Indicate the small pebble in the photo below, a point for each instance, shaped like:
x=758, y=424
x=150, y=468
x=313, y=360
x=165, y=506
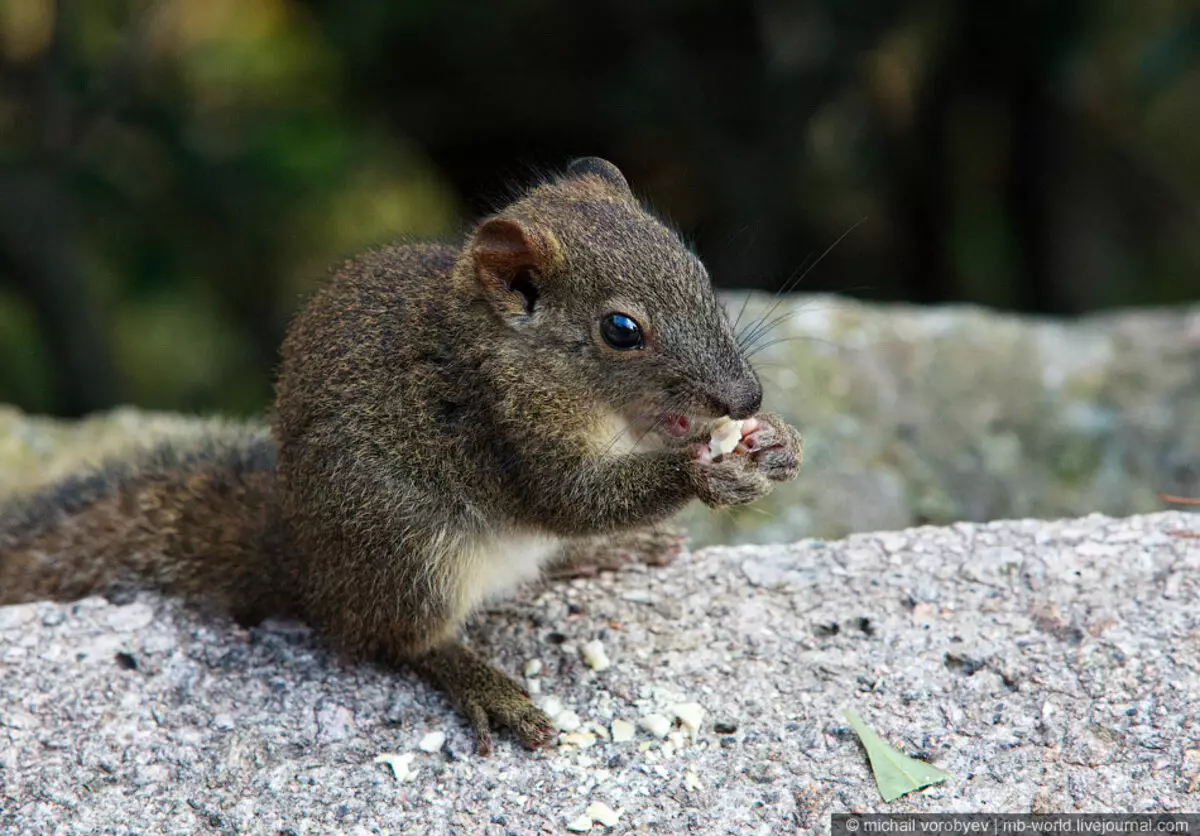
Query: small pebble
x=622, y=731
x=533, y=667
x=432, y=742
x=552, y=705
x=601, y=812
x=656, y=724
x=580, y=825
x=567, y=721
x=594, y=655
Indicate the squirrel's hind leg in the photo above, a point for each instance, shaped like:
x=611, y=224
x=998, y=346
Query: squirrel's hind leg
x=484, y=696
x=657, y=545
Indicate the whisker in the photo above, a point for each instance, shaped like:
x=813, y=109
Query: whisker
x=792, y=283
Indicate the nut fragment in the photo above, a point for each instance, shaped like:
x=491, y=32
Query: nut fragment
x=583, y=740
x=725, y=436
x=602, y=813
x=691, y=714
x=622, y=731
x=567, y=721
x=656, y=724
x=432, y=742
x=594, y=655
x=399, y=765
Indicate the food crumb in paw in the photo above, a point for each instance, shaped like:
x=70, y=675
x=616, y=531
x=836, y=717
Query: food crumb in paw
x=600, y=812
x=725, y=436
x=432, y=742
x=656, y=724
x=580, y=825
x=622, y=731
x=399, y=765
x=595, y=656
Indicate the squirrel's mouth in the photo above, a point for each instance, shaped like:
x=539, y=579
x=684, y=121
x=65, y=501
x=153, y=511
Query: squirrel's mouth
x=676, y=425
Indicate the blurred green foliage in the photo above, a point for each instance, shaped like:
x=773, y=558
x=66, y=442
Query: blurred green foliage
x=175, y=175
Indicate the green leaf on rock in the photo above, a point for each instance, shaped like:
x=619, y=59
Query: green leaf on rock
x=895, y=772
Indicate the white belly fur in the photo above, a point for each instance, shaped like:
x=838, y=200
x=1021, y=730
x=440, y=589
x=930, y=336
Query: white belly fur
x=498, y=565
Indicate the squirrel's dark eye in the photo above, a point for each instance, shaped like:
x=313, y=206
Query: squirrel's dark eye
x=621, y=331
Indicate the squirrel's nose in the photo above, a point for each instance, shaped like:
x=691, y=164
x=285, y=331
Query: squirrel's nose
x=744, y=399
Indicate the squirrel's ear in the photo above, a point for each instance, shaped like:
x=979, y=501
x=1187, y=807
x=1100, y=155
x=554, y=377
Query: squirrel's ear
x=510, y=260
x=606, y=171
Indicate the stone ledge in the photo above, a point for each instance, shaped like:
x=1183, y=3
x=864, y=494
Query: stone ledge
x=1049, y=666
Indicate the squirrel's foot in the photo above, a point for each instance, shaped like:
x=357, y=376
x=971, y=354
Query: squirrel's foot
x=774, y=445
x=484, y=696
x=654, y=546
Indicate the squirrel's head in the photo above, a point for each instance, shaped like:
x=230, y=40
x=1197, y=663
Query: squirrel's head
x=593, y=286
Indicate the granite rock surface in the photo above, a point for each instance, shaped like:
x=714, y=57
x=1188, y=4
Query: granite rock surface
x=1047, y=666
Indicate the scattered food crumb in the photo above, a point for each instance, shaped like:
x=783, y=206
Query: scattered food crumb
x=656, y=724
x=552, y=705
x=399, y=764
x=581, y=739
x=580, y=825
x=533, y=667
x=567, y=721
x=691, y=781
x=595, y=656
x=691, y=714
x=622, y=731
x=534, y=687
x=432, y=742
x=602, y=813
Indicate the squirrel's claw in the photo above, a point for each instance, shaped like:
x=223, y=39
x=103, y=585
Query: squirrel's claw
x=775, y=446
x=485, y=697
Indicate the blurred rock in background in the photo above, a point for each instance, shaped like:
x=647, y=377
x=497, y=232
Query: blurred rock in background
x=910, y=416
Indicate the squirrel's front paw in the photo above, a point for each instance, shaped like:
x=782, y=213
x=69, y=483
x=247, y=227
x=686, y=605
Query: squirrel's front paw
x=732, y=479
x=774, y=445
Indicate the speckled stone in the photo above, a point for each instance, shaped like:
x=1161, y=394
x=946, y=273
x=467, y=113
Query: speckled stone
x=1047, y=666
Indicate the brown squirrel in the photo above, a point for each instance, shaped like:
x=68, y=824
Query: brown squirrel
x=449, y=421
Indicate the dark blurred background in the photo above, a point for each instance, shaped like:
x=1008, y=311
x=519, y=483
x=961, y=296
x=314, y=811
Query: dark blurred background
x=176, y=175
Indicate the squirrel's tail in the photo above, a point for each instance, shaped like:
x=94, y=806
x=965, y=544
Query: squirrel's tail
x=198, y=518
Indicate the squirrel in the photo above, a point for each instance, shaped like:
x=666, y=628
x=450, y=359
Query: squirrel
x=450, y=421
